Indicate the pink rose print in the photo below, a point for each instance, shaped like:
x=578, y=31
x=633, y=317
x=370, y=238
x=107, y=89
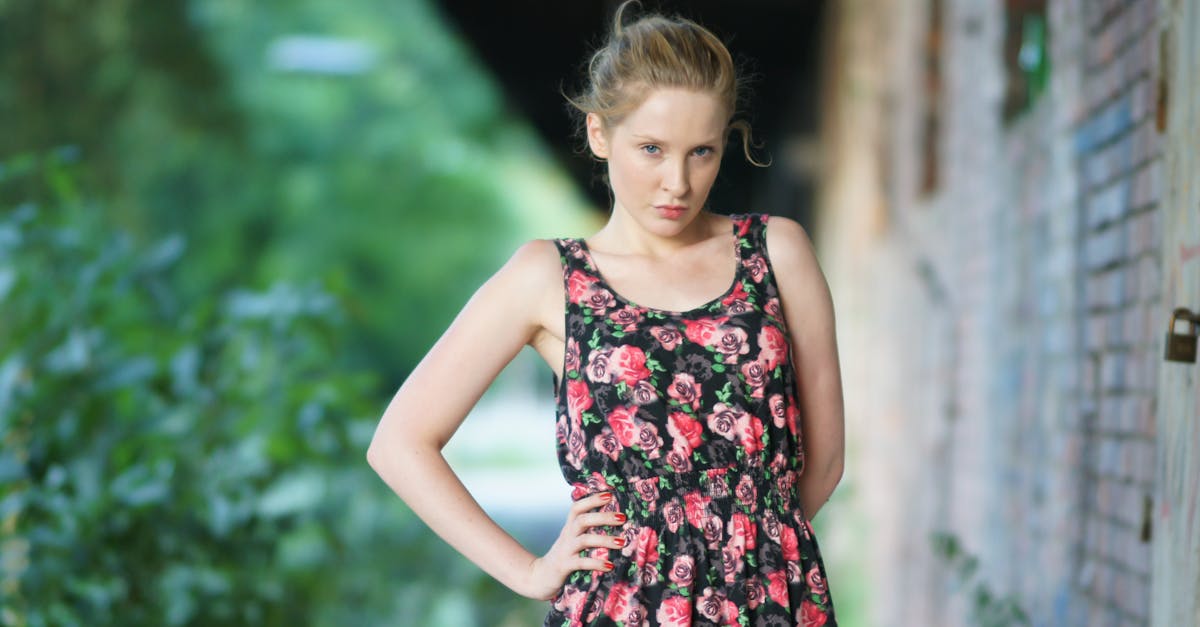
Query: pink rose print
x=778, y=410
x=685, y=390
x=673, y=515
x=816, y=582
x=773, y=347
x=669, y=337
x=649, y=441
x=627, y=317
x=773, y=308
x=711, y=604
x=678, y=459
x=578, y=285
x=648, y=490
x=696, y=508
x=598, y=299
x=714, y=531
x=749, y=431
x=771, y=526
x=703, y=330
x=777, y=587
x=685, y=430
x=723, y=421
x=757, y=266
x=621, y=421
x=755, y=594
x=683, y=570
x=810, y=615
x=746, y=493
x=647, y=547
x=731, y=342
x=647, y=575
x=576, y=449
x=789, y=543
x=644, y=393
x=756, y=377
x=606, y=443
x=620, y=600
x=675, y=611
x=598, y=368
x=731, y=563
x=743, y=534
x=571, y=359
x=579, y=400
x=597, y=483
x=636, y=614
x=793, y=570
x=570, y=602
x=629, y=364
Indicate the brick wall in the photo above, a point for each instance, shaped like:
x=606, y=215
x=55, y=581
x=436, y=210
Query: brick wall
x=1001, y=334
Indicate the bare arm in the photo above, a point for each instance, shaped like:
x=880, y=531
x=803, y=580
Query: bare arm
x=406, y=451
x=808, y=309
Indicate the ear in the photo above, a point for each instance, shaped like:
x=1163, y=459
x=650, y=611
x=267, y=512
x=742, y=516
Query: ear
x=597, y=140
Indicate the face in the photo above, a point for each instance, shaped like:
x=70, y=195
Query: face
x=663, y=157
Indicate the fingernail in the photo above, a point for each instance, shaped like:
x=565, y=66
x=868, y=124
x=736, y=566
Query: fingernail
x=606, y=496
x=621, y=518
x=608, y=565
x=619, y=541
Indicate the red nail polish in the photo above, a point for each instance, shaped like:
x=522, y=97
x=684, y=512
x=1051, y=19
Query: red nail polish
x=619, y=541
x=606, y=496
x=621, y=518
x=608, y=565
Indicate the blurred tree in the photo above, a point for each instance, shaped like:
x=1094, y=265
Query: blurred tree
x=171, y=465
x=395, y=182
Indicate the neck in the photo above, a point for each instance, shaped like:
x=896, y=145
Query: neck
x=624, y=234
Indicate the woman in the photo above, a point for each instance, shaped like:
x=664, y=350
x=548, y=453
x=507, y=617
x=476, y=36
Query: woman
x=699, y=433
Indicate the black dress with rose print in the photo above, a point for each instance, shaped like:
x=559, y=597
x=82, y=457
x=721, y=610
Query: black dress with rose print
x=690, y=420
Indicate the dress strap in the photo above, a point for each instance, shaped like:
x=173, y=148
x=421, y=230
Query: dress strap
x=750, y=230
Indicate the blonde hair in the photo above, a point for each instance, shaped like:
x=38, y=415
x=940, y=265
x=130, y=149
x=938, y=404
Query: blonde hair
x=653, y=52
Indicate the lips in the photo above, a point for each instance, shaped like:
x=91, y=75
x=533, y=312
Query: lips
x=671, y=212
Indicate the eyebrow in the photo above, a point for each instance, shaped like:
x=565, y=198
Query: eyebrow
x=655, y=140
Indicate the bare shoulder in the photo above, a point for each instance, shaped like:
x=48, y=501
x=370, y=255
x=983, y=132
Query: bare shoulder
x=791, y=249
x=535, y=264
x=530, y=285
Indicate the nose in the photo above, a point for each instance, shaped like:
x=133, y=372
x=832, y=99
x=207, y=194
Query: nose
x=675, y=178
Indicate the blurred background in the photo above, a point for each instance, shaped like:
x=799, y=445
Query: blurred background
x=228, y=231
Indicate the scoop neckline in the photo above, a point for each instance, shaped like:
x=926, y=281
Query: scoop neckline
x=734, y=222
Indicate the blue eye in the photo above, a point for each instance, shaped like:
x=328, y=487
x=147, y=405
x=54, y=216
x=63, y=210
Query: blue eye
x=651, y=149
x=703, y=151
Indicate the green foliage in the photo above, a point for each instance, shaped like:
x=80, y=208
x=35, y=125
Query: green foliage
x=987, y=608
x=399, y=186
x=175, y=462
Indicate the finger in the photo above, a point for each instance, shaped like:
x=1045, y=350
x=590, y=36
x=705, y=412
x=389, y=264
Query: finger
x=594, y=501
x=600, y=540
x=592, y=563
x=599, y=519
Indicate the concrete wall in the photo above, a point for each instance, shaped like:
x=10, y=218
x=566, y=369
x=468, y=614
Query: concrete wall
x=1002, y=332
x=1176, y=583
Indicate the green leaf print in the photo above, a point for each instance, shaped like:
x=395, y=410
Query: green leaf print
x=653, y=365
x=594, y=343
x=590, y=419
x=718, y=368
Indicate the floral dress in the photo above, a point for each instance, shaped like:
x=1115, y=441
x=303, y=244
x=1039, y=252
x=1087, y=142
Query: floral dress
x=690, y=420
